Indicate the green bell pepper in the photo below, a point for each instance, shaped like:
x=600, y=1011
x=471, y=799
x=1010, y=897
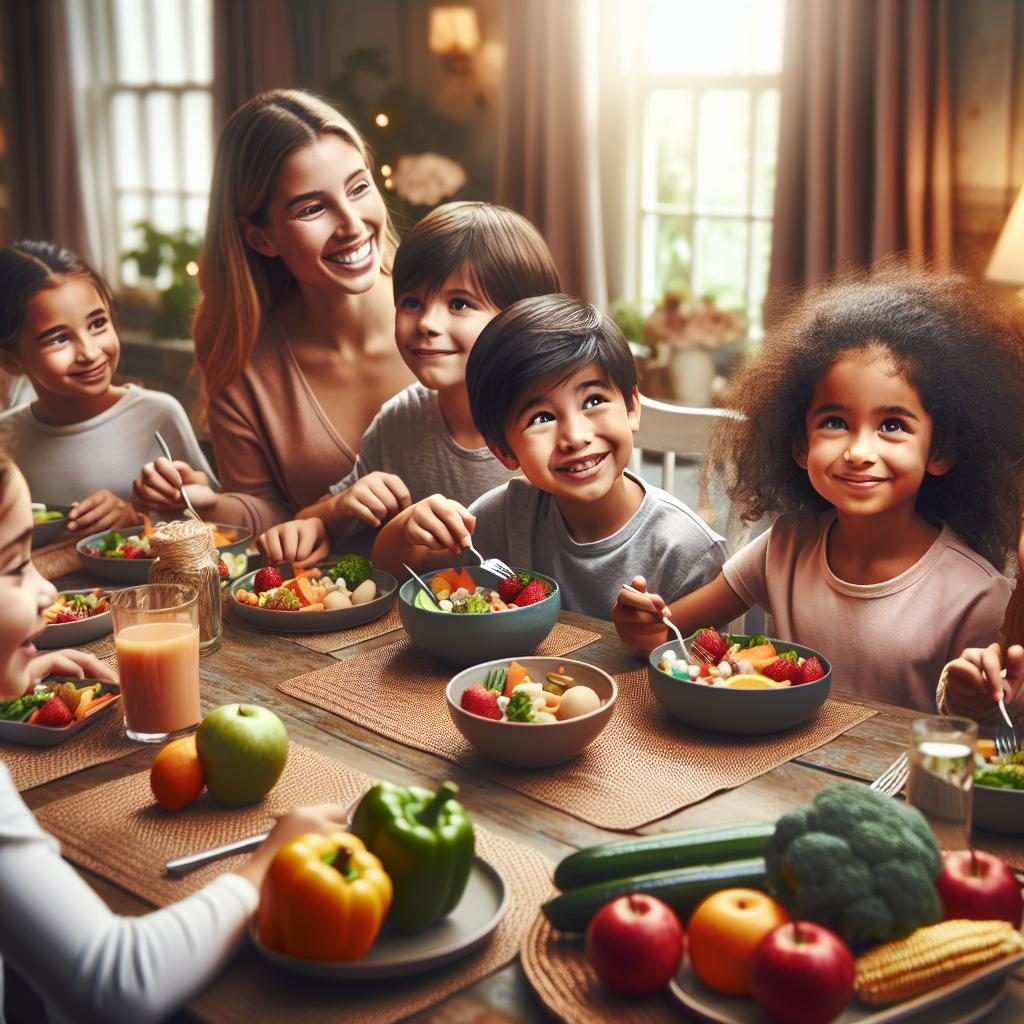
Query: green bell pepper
x=425, y=841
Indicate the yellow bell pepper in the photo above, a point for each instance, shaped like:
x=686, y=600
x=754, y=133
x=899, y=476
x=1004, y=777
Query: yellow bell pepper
x=324, y=897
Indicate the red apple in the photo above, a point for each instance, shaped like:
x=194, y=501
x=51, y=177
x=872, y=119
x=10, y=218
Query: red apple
x=801, y=973
x=976, y=886
x=635, y=944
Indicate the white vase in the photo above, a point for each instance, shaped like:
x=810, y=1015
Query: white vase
x=691, y=371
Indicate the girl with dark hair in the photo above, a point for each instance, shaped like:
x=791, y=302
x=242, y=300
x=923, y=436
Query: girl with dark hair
x=83, y=439
x=881, y=427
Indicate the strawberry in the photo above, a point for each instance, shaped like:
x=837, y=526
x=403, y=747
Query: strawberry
x=131, y=551
x=478, y=701
x=783, y=670
x=709, y=643
x=534, y=591
x=810, y=670
x=71, y=614
x=222, y=569
x=54, y=713
x=268, y=578
x=508, y=589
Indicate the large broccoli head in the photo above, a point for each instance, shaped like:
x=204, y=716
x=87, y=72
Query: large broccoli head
x=858, y=863
x=353, y=569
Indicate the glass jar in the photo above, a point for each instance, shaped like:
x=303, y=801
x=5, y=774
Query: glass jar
x=185, y=554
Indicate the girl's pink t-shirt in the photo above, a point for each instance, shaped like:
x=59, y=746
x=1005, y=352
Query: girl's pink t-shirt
x=888, y=641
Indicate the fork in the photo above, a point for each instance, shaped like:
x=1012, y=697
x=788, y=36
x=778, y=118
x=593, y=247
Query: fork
x=691, y=654
x=1006, y=735
x=894, y=778
x=167, y=455
x=495, y=565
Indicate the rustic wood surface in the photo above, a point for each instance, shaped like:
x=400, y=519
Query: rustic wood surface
x=247, y=667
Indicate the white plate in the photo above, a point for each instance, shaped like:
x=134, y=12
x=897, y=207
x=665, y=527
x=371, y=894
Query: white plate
x=47, y=736
x=396, y=954
x=960, y=1002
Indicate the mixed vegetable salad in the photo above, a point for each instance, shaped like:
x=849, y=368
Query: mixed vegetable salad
x=56, y=704
x=1001, y=771
x=346, y=583
x=458, y=593
x=508, y=694
x=72, y=607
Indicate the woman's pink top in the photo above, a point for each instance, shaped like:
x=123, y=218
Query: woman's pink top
x=888, y=641
x=276, y=448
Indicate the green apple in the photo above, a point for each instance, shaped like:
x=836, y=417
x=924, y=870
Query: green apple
x=243, y=749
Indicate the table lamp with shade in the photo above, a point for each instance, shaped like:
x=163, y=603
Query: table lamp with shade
x=1006, y=264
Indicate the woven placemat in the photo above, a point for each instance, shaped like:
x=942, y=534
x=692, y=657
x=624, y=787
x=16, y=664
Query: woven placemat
x=557, y=969
x=340, y=638
x=117, y=831
x=57, y=559
x=104, y=741
x=102, y=647
x=643, y=766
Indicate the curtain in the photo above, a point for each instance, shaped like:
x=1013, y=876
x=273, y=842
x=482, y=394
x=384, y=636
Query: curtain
x=42, y=149
x=549, y=166
x=865, y=144
x=252, y=52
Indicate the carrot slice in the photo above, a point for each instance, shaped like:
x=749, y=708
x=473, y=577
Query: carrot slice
x=31, y=718
x=147, y=526
x=83, y=704
x=516, y=675
x=467, y=581
x=98, y=703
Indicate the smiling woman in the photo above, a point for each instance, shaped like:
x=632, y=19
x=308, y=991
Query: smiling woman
x=295, y=327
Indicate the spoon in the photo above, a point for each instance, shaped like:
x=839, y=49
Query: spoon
x=167, y=455
x=423, y=586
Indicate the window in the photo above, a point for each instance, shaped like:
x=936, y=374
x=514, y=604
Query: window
x=143, y=72
x=707, y=111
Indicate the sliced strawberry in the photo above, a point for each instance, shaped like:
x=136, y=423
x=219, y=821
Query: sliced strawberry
x=54, y=713
x=810, y=670
x=222, y=569
x=709, y=646
x=131, y=551
x=71, y=614
x=534, y=591
x=479, y=701
x=268, y=578
x=782, y=670
x=508, y=589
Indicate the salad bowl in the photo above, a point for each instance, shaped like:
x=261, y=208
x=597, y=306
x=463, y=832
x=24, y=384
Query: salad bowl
x=46, y=531
x=466, y=639
x=58, y=635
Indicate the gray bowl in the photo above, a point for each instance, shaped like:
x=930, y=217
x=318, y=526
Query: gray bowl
x=999, y=810
x=462, y=640
x=524, y=744
x=48, y=532
x=275, y=621
x=132, y=572
x=59, y=635
x=738, y=712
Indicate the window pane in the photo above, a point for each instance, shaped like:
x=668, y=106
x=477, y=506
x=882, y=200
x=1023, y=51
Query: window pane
x=671, y=246
x=713, y=36
x=162, y=127
x=130, y=41
x=201, y=41
x=721, y=261
x=124, y=115
x=168, y=20
x=195, y=214
x=760, y=261
x=669, y=131
x=197, y=116
x=723, y=150
x=766, y=152
x=130, y=210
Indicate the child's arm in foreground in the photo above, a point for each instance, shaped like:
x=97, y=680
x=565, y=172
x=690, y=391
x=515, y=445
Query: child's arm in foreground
x=159, y=487
x=80, y=664
x=97, y=965
x=419, y=534
x=971, y=684
x=638, y=617
x=369, y=501
x=101, y=510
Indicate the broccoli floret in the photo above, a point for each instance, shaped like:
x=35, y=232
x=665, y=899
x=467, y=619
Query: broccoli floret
x=858, y=863
x=111, y=542
x=353, y=569
x=520, y=708
x=1000, y=776
x=283, y=600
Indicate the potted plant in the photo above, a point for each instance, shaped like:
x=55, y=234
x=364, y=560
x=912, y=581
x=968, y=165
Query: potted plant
x=168, y=262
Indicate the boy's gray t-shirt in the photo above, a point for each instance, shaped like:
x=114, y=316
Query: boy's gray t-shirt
x=410, y=438
x=664, y=541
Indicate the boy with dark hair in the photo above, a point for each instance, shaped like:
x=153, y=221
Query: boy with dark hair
x=552, y=387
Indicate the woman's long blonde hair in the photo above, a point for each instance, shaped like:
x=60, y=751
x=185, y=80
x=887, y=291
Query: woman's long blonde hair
x=238, y=286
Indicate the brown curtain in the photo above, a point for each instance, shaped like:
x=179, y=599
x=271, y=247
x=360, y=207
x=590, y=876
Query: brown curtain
x=252, y=52
x=865, y=146
x=548, y=145
x=42, y=148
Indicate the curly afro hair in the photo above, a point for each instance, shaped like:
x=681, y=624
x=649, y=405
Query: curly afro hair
x=959, y=342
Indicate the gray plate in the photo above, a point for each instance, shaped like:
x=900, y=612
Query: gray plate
x=70, y=634
x=48, y=532
x=961, y=1002
x=45, y=736
x=313, y=622
x=999, y=810
x=396, y=954
x=133, y=572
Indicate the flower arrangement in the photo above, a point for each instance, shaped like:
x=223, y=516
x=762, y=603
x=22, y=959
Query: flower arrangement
x=682, y=322
x=424, y=179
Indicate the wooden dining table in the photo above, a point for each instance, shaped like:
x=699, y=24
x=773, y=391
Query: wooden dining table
x=247, y=667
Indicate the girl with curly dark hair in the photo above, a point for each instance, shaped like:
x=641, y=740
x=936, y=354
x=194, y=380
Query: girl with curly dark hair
x=882, y=430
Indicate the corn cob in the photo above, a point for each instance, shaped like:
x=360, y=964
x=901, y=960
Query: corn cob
x=932, y=956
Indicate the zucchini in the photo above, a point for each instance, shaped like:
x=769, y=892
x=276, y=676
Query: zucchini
x=681, y=889
x=673, y=850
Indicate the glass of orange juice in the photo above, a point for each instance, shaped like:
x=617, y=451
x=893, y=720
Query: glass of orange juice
x=156, y=632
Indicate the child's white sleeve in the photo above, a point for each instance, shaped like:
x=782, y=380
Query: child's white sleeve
x=86, y=961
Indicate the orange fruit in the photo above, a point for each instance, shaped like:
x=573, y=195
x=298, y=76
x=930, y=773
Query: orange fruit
x=751, y=681
x=176, y=777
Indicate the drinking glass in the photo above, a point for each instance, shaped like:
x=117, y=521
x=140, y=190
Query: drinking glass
x=156, y=633
x=941, y=781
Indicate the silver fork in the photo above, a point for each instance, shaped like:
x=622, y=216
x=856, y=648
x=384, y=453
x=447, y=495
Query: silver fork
x=495, y=565
x=167, y=455
x=894, y=778
x=1006, y=735
x=689, y=652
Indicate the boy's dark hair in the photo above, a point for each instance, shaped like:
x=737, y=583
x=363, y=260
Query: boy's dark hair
x=28, y=267
x=959, y=342
x=536, y=339
x=501, y=251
